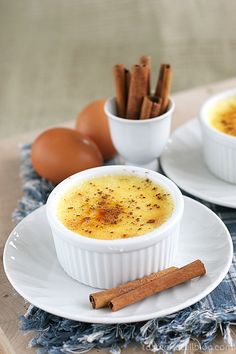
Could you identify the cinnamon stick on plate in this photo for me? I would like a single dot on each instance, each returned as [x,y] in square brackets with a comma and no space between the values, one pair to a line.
[176,277]
[120,87]
[137,90]
[102,298]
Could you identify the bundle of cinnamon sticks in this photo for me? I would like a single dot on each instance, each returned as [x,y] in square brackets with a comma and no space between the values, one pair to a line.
[133,91]
[134,291]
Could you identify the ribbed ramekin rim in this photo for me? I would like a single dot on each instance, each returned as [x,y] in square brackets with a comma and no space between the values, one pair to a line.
[119,243]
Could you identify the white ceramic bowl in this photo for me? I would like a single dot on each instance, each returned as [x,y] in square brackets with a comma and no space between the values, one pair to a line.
[107,263]
[219,149]
[139,141]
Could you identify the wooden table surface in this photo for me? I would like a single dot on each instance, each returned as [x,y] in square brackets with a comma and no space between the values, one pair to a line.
[11,304]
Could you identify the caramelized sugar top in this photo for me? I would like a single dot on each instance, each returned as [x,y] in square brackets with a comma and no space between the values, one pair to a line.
[223,116]
[114,207]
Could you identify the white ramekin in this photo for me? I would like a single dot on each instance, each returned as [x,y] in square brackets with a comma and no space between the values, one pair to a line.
[107,263]
[139,141]
[219,149]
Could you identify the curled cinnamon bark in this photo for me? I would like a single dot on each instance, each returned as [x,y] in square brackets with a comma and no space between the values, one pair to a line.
[133,86]
[176,277]
[156,107]
[120,87]
[127,84]
[137,90]
[102,298]
[146,61]
[163,86]
[151,107]
[158,89]
[146,108]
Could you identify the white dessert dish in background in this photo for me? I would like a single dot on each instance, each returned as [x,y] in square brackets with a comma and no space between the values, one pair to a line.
[219,149]
[139,142]
[183,162]
[107,263]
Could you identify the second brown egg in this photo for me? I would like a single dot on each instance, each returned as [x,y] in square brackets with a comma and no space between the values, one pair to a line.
[92,121]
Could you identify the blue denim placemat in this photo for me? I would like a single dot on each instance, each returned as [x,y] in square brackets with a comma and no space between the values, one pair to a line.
[56,335]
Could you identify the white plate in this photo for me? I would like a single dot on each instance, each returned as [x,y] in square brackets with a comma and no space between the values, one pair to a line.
[182,161]
[32,268]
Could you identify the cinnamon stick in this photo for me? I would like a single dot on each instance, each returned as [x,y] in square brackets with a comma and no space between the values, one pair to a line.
[102,298]
[120,87]
[159,81]
[156,108]
[146,61]
[146,71]
[164,85]
[127,83]
[137,90]
[151,107]
[176,277]
[146,108]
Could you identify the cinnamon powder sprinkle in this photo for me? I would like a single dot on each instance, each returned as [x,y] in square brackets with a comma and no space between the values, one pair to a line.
[112,207]
[151,221]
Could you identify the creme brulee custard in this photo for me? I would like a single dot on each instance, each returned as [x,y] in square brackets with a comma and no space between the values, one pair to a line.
[223,116]
[114,207]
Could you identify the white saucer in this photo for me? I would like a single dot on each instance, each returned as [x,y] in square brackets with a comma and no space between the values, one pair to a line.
[182,161]
[32,268]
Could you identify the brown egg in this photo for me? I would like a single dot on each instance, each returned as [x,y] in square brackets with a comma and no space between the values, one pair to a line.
[60,152]
[92,121]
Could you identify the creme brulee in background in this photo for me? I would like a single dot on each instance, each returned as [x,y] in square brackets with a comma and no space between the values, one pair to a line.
[222,116]
[114,207]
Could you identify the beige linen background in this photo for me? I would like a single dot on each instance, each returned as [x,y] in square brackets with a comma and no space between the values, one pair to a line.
[56,55]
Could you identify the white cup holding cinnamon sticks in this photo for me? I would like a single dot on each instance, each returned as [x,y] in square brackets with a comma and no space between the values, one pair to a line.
[139,142]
